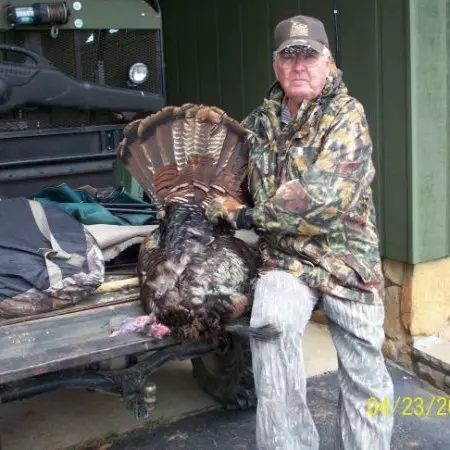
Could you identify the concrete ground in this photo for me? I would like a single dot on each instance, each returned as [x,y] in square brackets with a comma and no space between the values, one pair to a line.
[235,430]
[74,418]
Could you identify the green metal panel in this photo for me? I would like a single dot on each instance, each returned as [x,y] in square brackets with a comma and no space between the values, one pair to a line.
[361,63]
[219,52]
[429,128]
[374,60]
[229,31]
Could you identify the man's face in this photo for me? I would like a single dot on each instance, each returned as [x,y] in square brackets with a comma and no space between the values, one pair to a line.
[302,72]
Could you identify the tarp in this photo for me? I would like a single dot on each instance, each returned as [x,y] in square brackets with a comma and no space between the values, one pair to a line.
[92,208]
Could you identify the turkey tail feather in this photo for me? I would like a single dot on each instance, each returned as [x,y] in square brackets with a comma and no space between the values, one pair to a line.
[189,153]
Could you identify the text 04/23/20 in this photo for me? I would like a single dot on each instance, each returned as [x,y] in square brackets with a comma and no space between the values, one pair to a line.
[409,406]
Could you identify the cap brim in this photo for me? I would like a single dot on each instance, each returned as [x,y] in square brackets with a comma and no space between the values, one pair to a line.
[315,45]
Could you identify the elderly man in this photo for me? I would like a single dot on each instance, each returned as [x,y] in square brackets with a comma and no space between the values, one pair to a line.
[310,172]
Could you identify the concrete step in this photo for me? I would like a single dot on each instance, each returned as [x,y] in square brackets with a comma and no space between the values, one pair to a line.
[432,360]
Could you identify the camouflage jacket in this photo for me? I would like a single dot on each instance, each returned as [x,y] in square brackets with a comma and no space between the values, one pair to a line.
[311,186]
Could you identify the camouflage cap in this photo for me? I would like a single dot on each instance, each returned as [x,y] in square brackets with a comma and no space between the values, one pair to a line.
[300,30]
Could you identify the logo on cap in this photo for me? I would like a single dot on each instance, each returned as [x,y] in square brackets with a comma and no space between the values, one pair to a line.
[298,29]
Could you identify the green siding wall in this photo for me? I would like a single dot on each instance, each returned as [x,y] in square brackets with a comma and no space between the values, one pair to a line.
[219,52]
[430,155]
[374,63]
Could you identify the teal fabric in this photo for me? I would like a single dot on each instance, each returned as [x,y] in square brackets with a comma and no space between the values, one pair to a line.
[88,209]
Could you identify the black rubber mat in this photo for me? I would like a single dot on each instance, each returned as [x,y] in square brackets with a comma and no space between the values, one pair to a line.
[232,430]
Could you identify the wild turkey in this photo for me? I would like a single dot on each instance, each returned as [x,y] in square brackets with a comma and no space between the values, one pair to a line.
[196,278]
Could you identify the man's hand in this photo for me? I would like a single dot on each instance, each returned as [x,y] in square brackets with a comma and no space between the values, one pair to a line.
[224,208]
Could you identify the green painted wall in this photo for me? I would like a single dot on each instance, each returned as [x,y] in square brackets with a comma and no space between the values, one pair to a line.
[430,155]
[219,52]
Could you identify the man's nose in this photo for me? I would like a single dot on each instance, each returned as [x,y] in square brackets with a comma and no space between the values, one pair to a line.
[299,64]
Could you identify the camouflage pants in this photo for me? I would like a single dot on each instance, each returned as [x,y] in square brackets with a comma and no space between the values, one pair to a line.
[284,421]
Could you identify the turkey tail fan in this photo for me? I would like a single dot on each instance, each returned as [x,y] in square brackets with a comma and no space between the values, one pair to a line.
[189,153]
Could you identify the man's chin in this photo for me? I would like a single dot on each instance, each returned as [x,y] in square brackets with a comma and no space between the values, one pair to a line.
[300,94]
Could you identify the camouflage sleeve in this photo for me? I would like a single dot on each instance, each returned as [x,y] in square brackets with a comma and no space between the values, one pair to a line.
[326,188]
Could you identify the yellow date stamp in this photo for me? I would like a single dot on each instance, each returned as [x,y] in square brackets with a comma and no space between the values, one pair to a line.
[434,405]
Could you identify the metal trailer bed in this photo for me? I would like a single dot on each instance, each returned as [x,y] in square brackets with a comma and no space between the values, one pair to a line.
[72,348]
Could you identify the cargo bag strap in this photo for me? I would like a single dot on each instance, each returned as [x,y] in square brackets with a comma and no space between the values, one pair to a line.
[54,272]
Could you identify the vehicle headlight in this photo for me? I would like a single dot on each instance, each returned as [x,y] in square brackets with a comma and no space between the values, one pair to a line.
[138,73]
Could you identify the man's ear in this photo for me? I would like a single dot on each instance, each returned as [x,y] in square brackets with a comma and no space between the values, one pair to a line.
[330,63]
